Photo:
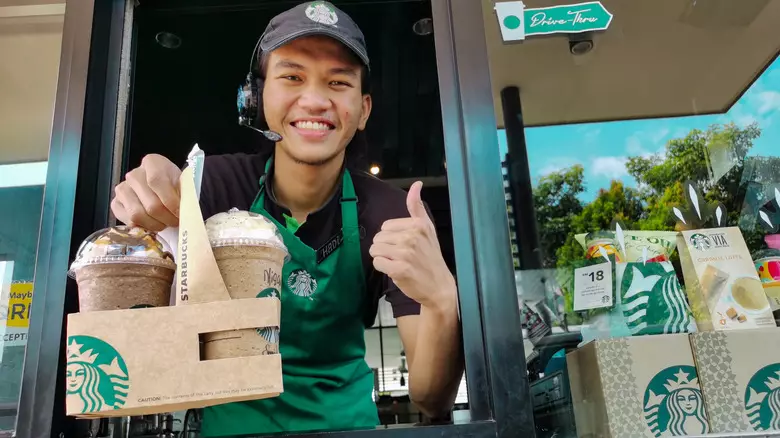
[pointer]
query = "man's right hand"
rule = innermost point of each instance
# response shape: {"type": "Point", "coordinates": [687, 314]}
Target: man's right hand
{"type": "Point", "coordinates": [149, 196]}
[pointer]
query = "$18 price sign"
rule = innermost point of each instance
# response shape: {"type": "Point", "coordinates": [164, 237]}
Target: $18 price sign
{"type": "Point", "coordinates": [593, 287]}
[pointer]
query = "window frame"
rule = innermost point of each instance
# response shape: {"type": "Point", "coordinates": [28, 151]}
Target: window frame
{"type": "Point", "coordinates": [88, 127]}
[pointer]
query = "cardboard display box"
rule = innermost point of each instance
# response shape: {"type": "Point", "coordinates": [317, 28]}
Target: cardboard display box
{"type": "Point", "coordinates": [147, 361]}
{"type": "Point", "coordinates": [739, 373]}
{"type": "Point", "coordinates": [644, 386]}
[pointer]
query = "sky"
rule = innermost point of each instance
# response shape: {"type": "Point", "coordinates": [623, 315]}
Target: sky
{"type": "Point", "coordinates": [603, 148]}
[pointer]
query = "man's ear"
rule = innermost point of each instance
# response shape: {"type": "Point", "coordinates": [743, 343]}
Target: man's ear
{"type": "Point", "coordinates": [367, 104]}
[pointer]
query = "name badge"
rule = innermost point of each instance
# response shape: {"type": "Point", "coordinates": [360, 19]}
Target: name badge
{"type": "Point", "coordinates": [333, 244]}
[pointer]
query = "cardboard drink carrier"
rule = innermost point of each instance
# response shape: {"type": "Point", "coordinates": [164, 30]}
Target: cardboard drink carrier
{"type": "Point", "coordinates": [149, 360]}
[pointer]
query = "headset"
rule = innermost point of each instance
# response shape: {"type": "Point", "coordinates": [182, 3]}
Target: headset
{"type": "Point", "coordinates": [250, 99]}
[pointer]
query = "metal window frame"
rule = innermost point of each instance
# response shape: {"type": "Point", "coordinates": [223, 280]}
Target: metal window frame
{"type": "Point", "coordinates": [81, 167]}
{"type": "Point", "coordinates": [76, 198]}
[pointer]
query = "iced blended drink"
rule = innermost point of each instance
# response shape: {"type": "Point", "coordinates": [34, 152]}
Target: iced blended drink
{"type": "Point", "coordinates": [250, 254]}
{"type": "Point", "coordinates": [123, 268]}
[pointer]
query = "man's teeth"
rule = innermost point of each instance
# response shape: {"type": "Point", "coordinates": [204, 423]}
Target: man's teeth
{"type": "Point", "coordinates": [312, 125]}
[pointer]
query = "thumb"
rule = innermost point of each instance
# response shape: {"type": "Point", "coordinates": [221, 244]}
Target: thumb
{"type": "Point", "coordinates": [414, 202]}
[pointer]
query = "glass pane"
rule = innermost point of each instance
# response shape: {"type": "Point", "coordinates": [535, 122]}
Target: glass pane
{"type": "Point", "coordinates": [613, 244]}
{"type": "Point", "coordinates": [27, 93]}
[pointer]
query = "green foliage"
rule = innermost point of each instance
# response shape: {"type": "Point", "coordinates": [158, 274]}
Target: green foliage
{"type": "Point", "coordinates": [555, 198]}
{"type": "Point", "coordinates": [715, 159]}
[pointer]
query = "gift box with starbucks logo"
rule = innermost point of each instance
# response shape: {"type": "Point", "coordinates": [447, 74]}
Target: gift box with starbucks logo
{"type": "Point", "coordinates": [645, 386]}
{"type": "Point", "coordinates": [739, 372]}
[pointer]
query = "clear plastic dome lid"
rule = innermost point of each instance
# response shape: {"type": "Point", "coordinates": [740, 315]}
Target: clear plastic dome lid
{"type": "Point", "coordinates": [122, 244]}
{"type": "Point", "coordinates": [243, 228]}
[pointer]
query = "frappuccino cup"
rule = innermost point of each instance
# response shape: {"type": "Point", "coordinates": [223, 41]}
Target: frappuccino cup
{"type": "Point", "coordinates": [250, 254]}
{"type": "Point", "coordinates": [122, 268]}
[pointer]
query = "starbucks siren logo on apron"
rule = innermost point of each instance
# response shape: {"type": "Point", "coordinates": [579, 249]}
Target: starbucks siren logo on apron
{"type": "Point", "coordinates": [321, 12]}
{"type": "Point", "coordinates": [301, 283]}
{"type": "Point", "coordinates": [96, 375]}
{"type": "Point", "coordinates": [762, 398]}
{"type": "Point", "coordinates": [673, 404]}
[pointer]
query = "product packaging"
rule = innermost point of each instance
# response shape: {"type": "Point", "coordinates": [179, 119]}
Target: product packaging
{"type": "Point", "coordinates": [645, 386]}
{"type": "Point", "coordinates": [721, 281]}
{"type": "Point", "coordinates": [648, 298]}
{"type": "Point", "coordinates": [149, 360]}
{"type": "Point", "coordinates": [768, 261]}
{"type": "Point", "coordinates": [739, 372]}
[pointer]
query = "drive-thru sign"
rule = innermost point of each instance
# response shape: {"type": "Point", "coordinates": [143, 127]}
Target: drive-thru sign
{"type": "Point", "coordinates": [517, 22]}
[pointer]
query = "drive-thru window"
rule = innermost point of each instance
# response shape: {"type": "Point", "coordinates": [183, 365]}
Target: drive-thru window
{"type": "Point", "coordinates": [604, 180]}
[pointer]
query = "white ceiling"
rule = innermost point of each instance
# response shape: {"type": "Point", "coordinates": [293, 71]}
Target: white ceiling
{"type": "Point", "coordinates": [658, 58]}
{"type": "Point", "coordinates": [30, 39]}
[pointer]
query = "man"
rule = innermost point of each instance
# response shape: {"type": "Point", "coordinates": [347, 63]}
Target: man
{"type": "Point", "coordinates": [314, 70]}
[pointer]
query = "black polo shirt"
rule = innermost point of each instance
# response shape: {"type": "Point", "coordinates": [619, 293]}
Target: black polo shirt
{"type": "Point", "coordinates": [233, 181]}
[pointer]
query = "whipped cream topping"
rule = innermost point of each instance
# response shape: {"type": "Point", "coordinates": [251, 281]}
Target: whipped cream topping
{"type": "Point", "coordinates": [238, 227]}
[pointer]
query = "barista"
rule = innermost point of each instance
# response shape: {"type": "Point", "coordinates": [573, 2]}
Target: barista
{"type": "Point", "coordinates": [352, 238]}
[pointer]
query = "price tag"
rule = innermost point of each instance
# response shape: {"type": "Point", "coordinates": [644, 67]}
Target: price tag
{"type": "Point", "coordinates": [593, 287]}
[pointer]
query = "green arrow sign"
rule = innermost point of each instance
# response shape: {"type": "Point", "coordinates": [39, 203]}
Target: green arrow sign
{"type": "Point", "coordinates": [580, 17]}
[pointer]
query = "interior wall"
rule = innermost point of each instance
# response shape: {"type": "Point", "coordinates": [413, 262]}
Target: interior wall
{"type": "Point", "coordinates": [30, 53]}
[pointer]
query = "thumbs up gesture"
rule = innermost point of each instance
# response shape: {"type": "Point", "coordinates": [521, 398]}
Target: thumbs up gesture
{"type": "Point", "coordinates": [408, 251]}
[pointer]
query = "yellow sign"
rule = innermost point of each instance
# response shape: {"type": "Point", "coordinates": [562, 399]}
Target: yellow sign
{"type": "Point", "coordinates": [19, 302]}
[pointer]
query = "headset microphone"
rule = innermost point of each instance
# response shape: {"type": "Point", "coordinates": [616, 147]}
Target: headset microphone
{"type": "Point", "coordinates": [271, 135]}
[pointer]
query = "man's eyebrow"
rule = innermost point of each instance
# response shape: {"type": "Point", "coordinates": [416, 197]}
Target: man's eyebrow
{"type": "Point", "coordinates": [344, 71]}
{"type": "Point", "coordinates": [284, 63]}
{"type": "Point", "coordinates": [289, 64]}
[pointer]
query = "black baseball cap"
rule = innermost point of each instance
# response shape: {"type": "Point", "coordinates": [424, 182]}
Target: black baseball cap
{"type": "Point", "coordinates": [314, 18]}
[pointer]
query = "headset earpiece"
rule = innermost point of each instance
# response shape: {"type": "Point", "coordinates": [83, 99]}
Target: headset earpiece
{"type": "Point", "coordinates": [249, 97]}
{"type": "Point", "coordinates": [249, 101]}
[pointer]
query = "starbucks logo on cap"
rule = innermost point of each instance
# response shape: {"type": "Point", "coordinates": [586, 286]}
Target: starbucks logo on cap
{"type": "Point", "coordinates": [762, 398]}
{"type": "Point", "coordinates": [301, 283]}
{"type": "Point", "coordinates": [96, 375]}
{"type": "Point", "coordinates": [673, 403]}
{"type": "Point", "coordinates": [322, 12]}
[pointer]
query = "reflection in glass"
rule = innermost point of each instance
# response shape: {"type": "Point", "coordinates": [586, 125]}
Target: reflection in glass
{"type": "Point", "coordinates": [30, 43]}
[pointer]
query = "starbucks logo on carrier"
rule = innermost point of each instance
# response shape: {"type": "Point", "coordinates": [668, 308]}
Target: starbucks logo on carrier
{"type": "Point", "coordinates": [673, 404]}
{"type": "Point", "coordinates": [322, 12]}
{"type": "Point", "coordinates": [270, 334]}
{"type": "Point", "coordinates": [96, 375]}
{"type": "Point", "coordinates": [762, 398]}
{"type": "Point", "coordinates": [301, 283]}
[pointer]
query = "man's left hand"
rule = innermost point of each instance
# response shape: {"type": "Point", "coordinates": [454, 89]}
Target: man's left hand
{"type": "Point", "coordinates": [408, 251]}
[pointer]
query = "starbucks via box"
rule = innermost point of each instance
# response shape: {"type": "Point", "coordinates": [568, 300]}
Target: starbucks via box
{"type": "Point", "coordinates": [644, 386]}
{"type": "Point", "coordinates": [721, 280]}
{"type": "Point", "coordinates": [739, 373]}
{"type": "Point", "coordinates": [139, 361]}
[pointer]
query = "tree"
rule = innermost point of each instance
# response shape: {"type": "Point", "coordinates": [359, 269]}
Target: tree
{"type": "Point", "coordinates": [557, 203]}
{"type": "Point", "coordinates": [618, 202]}
{"type": "Point", "coordinates": [716, 159]}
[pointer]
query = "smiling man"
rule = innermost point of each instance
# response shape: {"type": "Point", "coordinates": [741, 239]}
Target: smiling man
{"type": "Point", "coordinates": [354, 237]}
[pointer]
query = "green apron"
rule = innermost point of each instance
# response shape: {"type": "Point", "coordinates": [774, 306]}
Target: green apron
{"type": "Point", "coordinates": [327, 383]}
